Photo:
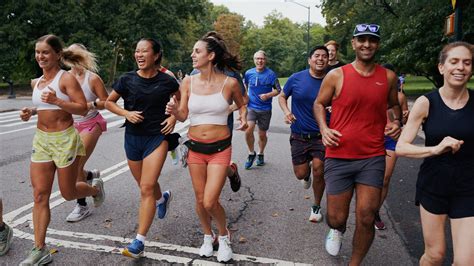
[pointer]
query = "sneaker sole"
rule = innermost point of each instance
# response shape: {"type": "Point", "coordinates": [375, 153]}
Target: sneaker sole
{"type": "Point", "coordinates": [315, 221]}
{"type": "Point", "coordinates": [129, 254]}
{"type": "Point", "coordinates": [382, 228]}
{"type": "Point", "coordinates": [101, 187]}
{"type": "Point", "coordinates": [44, 260]}
{"type": "Point", "coordinates": [88, 213]}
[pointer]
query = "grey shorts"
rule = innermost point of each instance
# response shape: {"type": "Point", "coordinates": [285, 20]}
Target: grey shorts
{"type": "Point", "coordinates": [341, 174]}
{"type": "Point", "coordinates": [261, 118]}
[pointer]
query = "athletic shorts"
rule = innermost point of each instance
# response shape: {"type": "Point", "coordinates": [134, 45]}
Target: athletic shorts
{"type": "Point", "coordinates": [390, 143]}
{"type": "Point", "coordinates": [138, 148]}
{"type": "Point", "coordinates": [61, 147]}
{"type": "Point", "coordinates": [305, 148]}
{"type": "Point", "coordinates": [341, 174]}
{"type": "Point", "coordinates": [88, 125]}
{"type": "Point", "coordinates": [455, 206]}
{"type": "Point", "coordinates": [222, 157]}
{"type": "Point", "coordinates": [261, 118]}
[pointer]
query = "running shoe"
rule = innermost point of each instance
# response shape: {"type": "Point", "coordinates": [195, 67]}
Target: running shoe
{"type": "Point", "coordinates": [100, 197]}
{"type": "Point", "coordinates": [162, 208]}
{"type": "Point", "coordinates": [333, 242]}
{"type": "Point", "coordinates": [250, 160]}
{"type": "Point", "coordinates": [134, 249]}
{"type": "Point", "coordinates": [234, 179]}
{"type": "Point", "coordinates": [5, 239]}
{"type": "Point", "coordinates": [306, 182]}
{"type": "Point", "coordinates": [260, 160]}
{"type": "Point", "coordinates": [183, 158]}
{"type": "Point", "coordinates": [95, 173]}
{"type": "Point", "coordinates": [379, 224]}
{"type": "Point", "coordinates": [174, 156]}
{"type": "Point", "coordinates": [207, 248]}
{"type": "Point", "coordinates": [224, 253]}
{"type": "Point", "coordinates": [80, 212]}
{"type": "Point", "coordinates": [37, 256]}
{"type": "Point", "coordinates": [316, 216]}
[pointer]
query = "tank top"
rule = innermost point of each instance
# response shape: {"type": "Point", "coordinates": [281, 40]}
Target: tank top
{"type": "Point", "coordinates": [90, 97]}
{"type": "Point", "coordinates": [36, 97]}
{"type": "Point", "coordinates": [360, 114]}
{"type": "Point", "coordinates": [210, 109]}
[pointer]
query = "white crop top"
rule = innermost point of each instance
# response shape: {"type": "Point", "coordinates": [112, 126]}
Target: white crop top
{"type": "Point", "coordinates": [90, 97]}
{"type": "Point", "coordinates": [210, 109]}
{"type": "Point", "coordinates": [36, 97]}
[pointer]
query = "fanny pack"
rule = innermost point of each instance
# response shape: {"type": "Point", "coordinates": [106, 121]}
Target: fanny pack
{"type": "Point", "coordinates": [208, 148]}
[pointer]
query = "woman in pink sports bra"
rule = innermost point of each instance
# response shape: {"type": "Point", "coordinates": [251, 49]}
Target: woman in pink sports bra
{"type": "Point", "coordinates": [57, 146]}
{"type": "Point", "coordinates": [206, 98]}
{"type": "Point", "coordinates": [90, 126]}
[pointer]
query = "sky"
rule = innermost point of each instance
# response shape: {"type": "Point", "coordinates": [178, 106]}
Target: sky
{"type": "Point", "coordinates": [256, 10]}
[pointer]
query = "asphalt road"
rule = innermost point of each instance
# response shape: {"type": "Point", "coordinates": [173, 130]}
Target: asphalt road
{"type": "Point", "coordinates": [268, 216]}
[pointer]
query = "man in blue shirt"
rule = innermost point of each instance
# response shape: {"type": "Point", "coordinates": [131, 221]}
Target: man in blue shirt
{"type": "Point", "coordinates": [306, 146]}
{"type": "Point", "coordinates": [263, 85]}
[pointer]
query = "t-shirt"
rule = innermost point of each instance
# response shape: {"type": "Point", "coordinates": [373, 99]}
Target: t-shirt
{"type": "Point", "coordinates": [303, 88]}
{"type": "Point", "coordinates": [331, 67]}
{"type": "Point", "coordinates": [259, 83]}
{"type": "Point", "coordinates": [149, 95]}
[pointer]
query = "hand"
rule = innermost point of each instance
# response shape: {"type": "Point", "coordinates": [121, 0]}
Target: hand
{"type": "Point", "coordinates": [172, 106]}
{"type": "Point", "coordinates": [243, 123]}
{"type": "Point", "coordinates": [330, 137]}
{"type": "Point", "coordinates": [169, 124]}
{"type": "Point", "coordinates": [26, 113]}
{"type": "Point", "coordinates": [134, 117]}
{"type": "Point", "coordinates": [393, 130]}
{"type": "Point", "coordinates": [49, 96]}
{"type": "Point", "coordinates": [448, 143]}
{"type": "Point", "coordinates": [264, 96]}
{"type": "Point", "coordinates": [405, 116]}
{"type": "Point", "coordinates": [289, 118]}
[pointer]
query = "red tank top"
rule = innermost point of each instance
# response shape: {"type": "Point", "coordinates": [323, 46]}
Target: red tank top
{"type": "Point", "coordinates": [360, 115]}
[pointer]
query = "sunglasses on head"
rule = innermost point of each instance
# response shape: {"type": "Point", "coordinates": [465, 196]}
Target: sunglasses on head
{"type": "Point", "coordinates": [370, 27]}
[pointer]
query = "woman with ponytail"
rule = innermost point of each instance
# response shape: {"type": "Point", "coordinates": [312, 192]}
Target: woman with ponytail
{"type": "Point", "coordinates": [206, 98]}
{"type": "Point", "coordinates": [57, 147]}
{"type": "Point", "coordinates": [90, 126]}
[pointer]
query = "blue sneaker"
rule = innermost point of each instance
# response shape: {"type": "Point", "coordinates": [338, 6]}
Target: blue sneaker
{"type": "Point", "coordinates": [250, 160]}
{"type": "Point", "coordinates": [134, 249]}
{"type": "Point", "coordinates": [162, 208]}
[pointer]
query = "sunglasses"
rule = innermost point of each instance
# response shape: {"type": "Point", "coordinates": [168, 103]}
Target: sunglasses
{"type": "Point", "coordinates": [371, 27]}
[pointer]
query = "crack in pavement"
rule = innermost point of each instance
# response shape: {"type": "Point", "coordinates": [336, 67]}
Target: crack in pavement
{"type": "Point", "coordinates": [244, 208]}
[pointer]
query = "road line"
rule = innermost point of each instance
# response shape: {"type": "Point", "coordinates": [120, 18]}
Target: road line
{"type": "Point", "coordinates": [17, 130]}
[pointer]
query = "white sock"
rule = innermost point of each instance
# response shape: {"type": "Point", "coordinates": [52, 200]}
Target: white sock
{"type": "Point", "coordinates": [141, 238]}
{"type": "Point", "coordinates": [161, 200]}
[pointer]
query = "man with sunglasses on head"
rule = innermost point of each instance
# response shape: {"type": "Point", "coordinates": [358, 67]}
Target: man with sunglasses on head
{"type": "Point", "coordinates": [359, 93]}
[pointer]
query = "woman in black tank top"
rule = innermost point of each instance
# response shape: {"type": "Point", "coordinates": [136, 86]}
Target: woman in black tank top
{"type": "Point", "coordinates": [445, 185]}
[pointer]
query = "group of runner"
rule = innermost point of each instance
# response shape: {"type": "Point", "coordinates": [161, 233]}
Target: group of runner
{"type": "Point", "coordinates": [345, 120]}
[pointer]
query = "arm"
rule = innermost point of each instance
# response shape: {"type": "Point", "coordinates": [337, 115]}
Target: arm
{"type": "Point", "coordinates": [283, 102]}
{"type": "Point", "coordinates": [240, 102]}
{"type": "Point", "coordinates": [243, 90]}
{"type": "Point", "coordinates": [111, 105]}
{"type": "Point", "coordinates": [179, 109]}
{"type": "Point", "coordinates": [393, 128]}
{"type": "Point", "coordinates": [69, 86]}
{"type": "Point", "coordinates": [275, 91]}
{"type": "Point", "coordinates": [27, 112]}
{"type": "Point", "coordinates": [98, 88]}
{"type": "Point", "coordinates": [402, 99]}
{"type": "Point", "coordinates": [330, 137]}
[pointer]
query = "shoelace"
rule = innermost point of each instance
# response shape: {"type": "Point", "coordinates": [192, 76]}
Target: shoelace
{"type": "Point", "coordinates": [316, 209]}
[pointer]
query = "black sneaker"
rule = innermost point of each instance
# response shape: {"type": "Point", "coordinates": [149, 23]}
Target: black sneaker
{"type": "Point", "coordinates": [235, 178]}
{"type": "Point", "coordinates": [260, 161]}
{"type": "Point", "coordinates": [250, 160]}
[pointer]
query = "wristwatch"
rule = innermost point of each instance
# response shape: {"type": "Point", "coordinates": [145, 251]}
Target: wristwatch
{"type": "Point", "coordinates": [95, 103]}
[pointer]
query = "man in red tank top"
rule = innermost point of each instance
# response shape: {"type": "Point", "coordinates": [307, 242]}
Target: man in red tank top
{"type": "Point", "coordinates": [359, 94]}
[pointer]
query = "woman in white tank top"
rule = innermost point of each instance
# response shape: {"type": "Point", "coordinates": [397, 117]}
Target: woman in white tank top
{"type": "Point", "coordinates": [56, 145]}
{"type": "Point", "coordinates": [206, 99]}
{"type": "Point", "coordinates": [90, 126]}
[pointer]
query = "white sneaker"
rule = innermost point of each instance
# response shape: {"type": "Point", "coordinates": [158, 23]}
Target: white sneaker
{"type": "Point", "coordinates": [207, 248]}
{"type": "Point", "coordinates": [306, 183]}
{"type": "Point", "coordinates": [224, 253]}
{"type": "Point", "coordinates": [316, 216]}
{"type": "Point", "coordinates": [80, 212]}
{"type": "Point", "coordinates": [100, 197]}
{"type": "Point", "coordinates": [333, 242]}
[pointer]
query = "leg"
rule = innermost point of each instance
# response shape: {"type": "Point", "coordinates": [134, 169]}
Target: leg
{"type": "Point", "coordinates": [301, 171]}
{"type": "Point", "coordinates": [367, 203]}
{"type": "Point", "coordinates": [318, 181]}
{"type": "Point", "coordinates": [390, 160]}
{"type": "Point", "coordinates": [151, 170]}
{"type": "Point", "coordinates": [463, 240]}
{"type": "Point", "coordinates": [212, 191]}
{"type": "Point", "coordinates": [249, 137]}
{"type": "Point", "coordinates": [89, 139]}
{"type": "Point", "coordinates": [262, 140]}
{"type": "Point", "coordinates": [434, 237]}
{"type": "Point", "coordinates": [338, 209]}
{"type": "Point", "coordinates": [42, 177]}
{"type": "Point", "coordinates": [71, 190]}
{"type": "Point", "coordinates": [198, 174]}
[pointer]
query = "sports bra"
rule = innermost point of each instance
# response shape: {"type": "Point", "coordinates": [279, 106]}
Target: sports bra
{"type": "Point", "coordinates": [90, 97]}
{"type": "Point", "coordinates": [36, 97]}
{"type": "Point", "coordinates": [210, 109]}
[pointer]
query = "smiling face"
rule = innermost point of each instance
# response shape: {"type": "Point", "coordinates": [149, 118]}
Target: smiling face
{"type": "Point", "coordinates": [365, 47]}
{"type": "Point", "coordinates": [318, 61]}
{"type": "Point", "coordinates": [200, 56]}
{"type": "Point", "coordinates": [46, 57]}
{"type": "Point", "coordinates": [260, 61]}
{"type": "Point", "coordinates": [145, 56]}
{"type": "Point", "coordinates": [457, 68]}
{"type": "Point", "coordinates": [332, 52]}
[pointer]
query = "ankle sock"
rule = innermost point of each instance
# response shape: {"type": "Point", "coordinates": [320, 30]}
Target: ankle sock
{"type": "Point", "coordinates": [82, 202]}
{"type": "Point", "coordinates": [2, 227]}
{"type": "Point", "coordinates": [141, 238]}
{"type": "Point", "coordinates": [89, 175]}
